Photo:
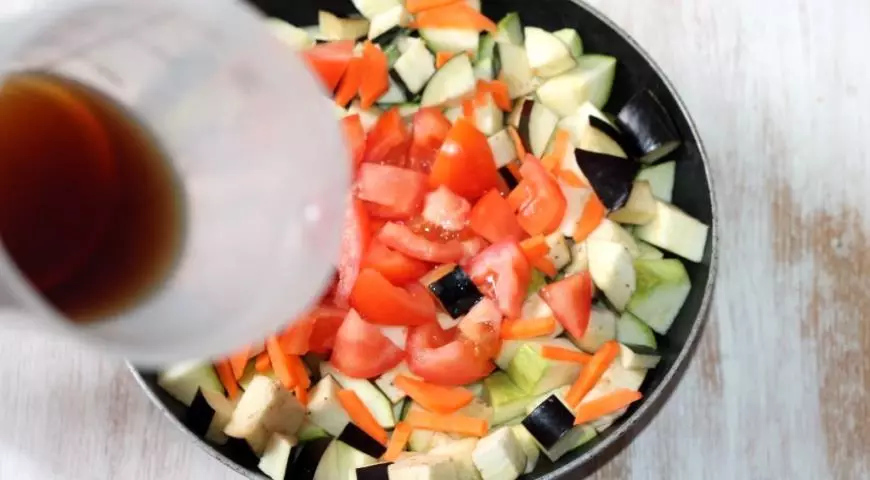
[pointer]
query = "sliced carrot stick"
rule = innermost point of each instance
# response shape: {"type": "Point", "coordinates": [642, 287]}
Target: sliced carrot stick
{"type": "Point", "coordinates": [397, 442]}
{"type": "Point", "coordinates": [376, 75]}
{"type": "Point", "coordinates": [454, 15]}
{"type": "Point", "coordinates": [535, 247]}
{"type": "Point", "coordinates": [361, 416]}
{"type": "Point", "coordinates": [297, 369]}
{"type": "Point", "coordinates": [263, 364]}
{"type": "Point", "coordinates": [592, 372]}
{"type": "Point", "coordinates": [564, 354]}
{"type": "Point", "coordinates": [528, 328]}
{"type": "Point", "coordinates": [514, 168]}
{"type": "Point", "coordinates": [610, 403]}
{"type": "Point", "coordinates": [442, 57]}
{"type": "Point", "coordinates": [436, 398]}
{"type": "Point", "coordinates": [546, 266]}
{"type": "Point", "coordinates": [560, 148]}
{"type": "Point", "coordinates": [570, 178]}
{"type": "Point", "coordinates": [499, 91]}
{"type": "Point", "coordinates": [593, 214]}
{"type": "Point", "coordinates": [279, 363]}
{"type": "Point", "coordinates": [437, 422]}
{"type": "Point", "coordinates": [238, 362]}
{"type": "Point", "coordinates": [301, 394]}
{"type": "Point", "coordinates": [518, 142]}
{"type": "Point", "coordinates": [351, 81]}
{"type": "Point", "coordinates": [468, 109]}
{"type": "Point", "coordinates": [417, 6]}
{"type": "Point", "coordinates": [228, 380]}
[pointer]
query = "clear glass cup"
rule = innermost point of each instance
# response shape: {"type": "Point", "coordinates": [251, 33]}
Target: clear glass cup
{"type": "Point", "coordinates": [252, 138]}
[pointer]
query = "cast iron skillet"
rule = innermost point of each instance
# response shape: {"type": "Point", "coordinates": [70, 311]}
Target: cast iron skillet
{"type": "Point", "coordinates": [693, 193]}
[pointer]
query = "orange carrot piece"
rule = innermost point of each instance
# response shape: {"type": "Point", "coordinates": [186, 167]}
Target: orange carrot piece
{"type": "Point", "coordinates": [546, 266]}
{"type": "Point", "coordinates": [376, 75]}
{"type": "Point", "coordinates": [570, 178]}
{"type": "Point", "coordinates": [518, 142]}
{"type": "Point", "coordinates": [565, 355]}
{"type": "Point", "coordinates": [535, 247]}
{"type": "Point", "coordinates": [437, 422]}
{"type": "Point", "coordinates": [238, 362]}
{"type": "Point", "coordinates": [435, 398]}
{"type": "Point", "coordinates": [263, 364]}
{"type": "Point", "coordinates": [468, 109]}
{"type": "Point", "coordinates": [301, 394]}
{"type": "Point", "coordinates": [593, 214]}
{"type": "Point", "coordinates": [592, 372]}
{"type": "Point", "coordinates": [350, 83]}
{"type": "Point", "coordinates": [361, 416]}
{"type": "Point", "coordinates": [527, 328]}
{"type": "Point", "coordinates": [443, 57]}
{"type": "Point", "coordinates": [560, 148]}
{"type": "Point", "coordinates": [297, 369]}
{"type": "Point", "coordinates": [417, 6]}
{"type": "Point", "coordinates": [279, 363]}
{"type": "Point", "coordinates": [228, 380]}
{"type": "Point", "coordinates": [610, 403]}
{"type": "Point", "coordinates": [454, 15]}
{"type": "Point", "coordinates": [514, 168]}
{"type": "Point", "coordinates": [398, 440]}
{"type": "Point", "coordinates": [499, 91]}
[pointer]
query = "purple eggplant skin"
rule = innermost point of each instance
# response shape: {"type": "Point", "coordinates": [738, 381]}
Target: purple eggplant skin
{"type": "Point", "coordinates": [378, 471]}
{"type": "Point", "coordinates": [305, 458]}
{"type": "Point", "coordinates": [650, 129]}
{"type": "Point", "coordinates": [549, 422]}
{"type": "Point", "coordinates": [610, 176]}
{"type": "Point", "coordinates": [356, 438]}
{"type": "Point", "coordinates": [615, 135]}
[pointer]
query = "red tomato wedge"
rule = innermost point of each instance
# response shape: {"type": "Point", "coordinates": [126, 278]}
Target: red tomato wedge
{"type": "Point", "coordinates": [430, 128]}
{"type": "Point", "coordinates": [396, 267]}
{"type": "Point", "coordinates": [375, 75]}
{"type": "Point", "coordinates": [444, 357]}
{"type": "Point", "coordinates": [493, 219]}
{"type": "Point", "coordinates": [326, 321]}
{"type": "Point", "coordinates": [329, 61]}
{"type": "Point", "coordinates": [503, 274]}
{"type": "Point", "coordinates": [403, 239]}
{"type": "Point", "coordinates": [355, 136]}
{"type": "Point", "coordinates": [542, 204]}
{"type": "Point", "coordinates": [482, 325]}
{"type": "Point", "coordinates": [362, 351]}
{"type": "Point", "coordinates": [354, 240]}
{"type": "Point", "coordinates": [382, 303]}
{"type": "Point", "coordinates": [399, 189]}
{"type": "Point", "coordinates": [571, 302]}
{"type": "Point", "coordinates": [446, 209]}
{"type": "Point", "coordinates": [465, 164]}
{"type": "Point", "coordinates": [296, 339]}
{"type": "Point", "coordinates": [472, 247]}
{"type": "Point", "coordinates": [388, 141]}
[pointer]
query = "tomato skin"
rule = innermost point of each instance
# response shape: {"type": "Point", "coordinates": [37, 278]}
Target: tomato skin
{"type": "Point", "coordinates": [430, 128]}
{"type": "Point", "coordinates": [465, 163]}
{"type": "Point", "coordinates": [399, 189]}
{"type": "Point", "coordinates": [444, 357]}
{"type": "Point", "coordinates": [472, 247]}
{"type": "Point", "coordinates": [382, 303]}
{"type": "Point", "coordinates": [403, 239]}
{"type": "Point", "coordinates": [329, 61]}
{"type": "Point", "coordinates": [354, 241]}
{"type": "Point", "coordinates": [482, 325]}
{"type": "Point", "coordinates": [388, 141]}
{"type": "Point", "coordinates": [493, 219]}
{"type": "Point", "coordinates": [503, 273]}
{"type": "Point", "coordinates": [325, 321]}
{"type": "Point", "coordinates": [571, 302]}
{"type": "Point", "coordinates": [446, 209]}
{"type": "Point", "coordinates": [543, 205]}
{"type": "Point", "coordinates": [362, 351]}
{"type": "Point", "coordinates": [355, 136]}
{"type": "Point", "coordinates": [396, 267]}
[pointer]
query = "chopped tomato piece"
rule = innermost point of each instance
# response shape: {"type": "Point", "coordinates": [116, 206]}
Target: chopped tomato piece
{"type": "Point", "coordinates": [388, 141]}
{"type": "Point", "coordinates": [326, 321]}
{"type": "Point", "coordinates": [482, 325]}
{"type": "Point", "coordinates": [402, 239]}
{"type": "Point", "coordinates": [465, 163]}
{"type": "Point", "coordinates": [362, 351]}
{"type": "Point", "coordinates": [329, 61]}
{"type": "Point", "coordinates": [458, 15]}
{"type": "Point", "coordinates": [493, 219]}
{"type": "Point", "coordinates": [400, 189]}
{"type": "Point", "coordinates": [472, 247]}
{"type": "Point", "coordinates": [430, 128]}
{"type": "Point", "coordinates": [354, 240]}
{"type": "Point", "coordinates": [382, 303]}
{"type": "Point", "coordinates": [396, 267]}
{"type": "Point", "coordinates": [444, 357]}
{"type": "Point", "coordinates": [571, 302]}
{"type": "Point", "coordinates": [355, 136]}
{"type": "Point", "coordinates": [542, 204]}
{"type": "Point", "coordinates": [446, 209]}
{"type": "Point", "coordinates": [295, 340]}
{"type": "Point", "coordinates": [375, 76]}
{"type": "Point", "coordinates": [503, 274]}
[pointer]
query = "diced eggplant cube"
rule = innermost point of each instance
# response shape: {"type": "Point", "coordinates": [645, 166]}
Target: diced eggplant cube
{"type": "Point", "coordinates": [378, 471]}
{"type": "Point", "coordinates": [549, 422]}
{"type": "Point", "coordinates": [456, 292]}
{"type": "Point", "coordinates": [650, 126]}
{"type": "Point", "coordinates": [362, 441]}
{"type": "Point", "coordinates": [499, 456]}
{"type": "Point", "coordinates": [423, 467]}
{"type": "Point", "coordinates": [209, 414]}
{"type": "Point", "coordinates": [276, 461]}
{"type": "Point", "coordinates": [638, 356]}
{"type": "Point", "coordinates": [324, 408]}
{"type": "Point", "coordinates": [266, 407]}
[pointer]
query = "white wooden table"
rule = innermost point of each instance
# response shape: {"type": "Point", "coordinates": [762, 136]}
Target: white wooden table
{"type": "Point", "coordinates": [780, 90]}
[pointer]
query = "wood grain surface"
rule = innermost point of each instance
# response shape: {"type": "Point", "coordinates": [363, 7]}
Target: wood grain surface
{"type": "Point", "coordinates": [780, 90]}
